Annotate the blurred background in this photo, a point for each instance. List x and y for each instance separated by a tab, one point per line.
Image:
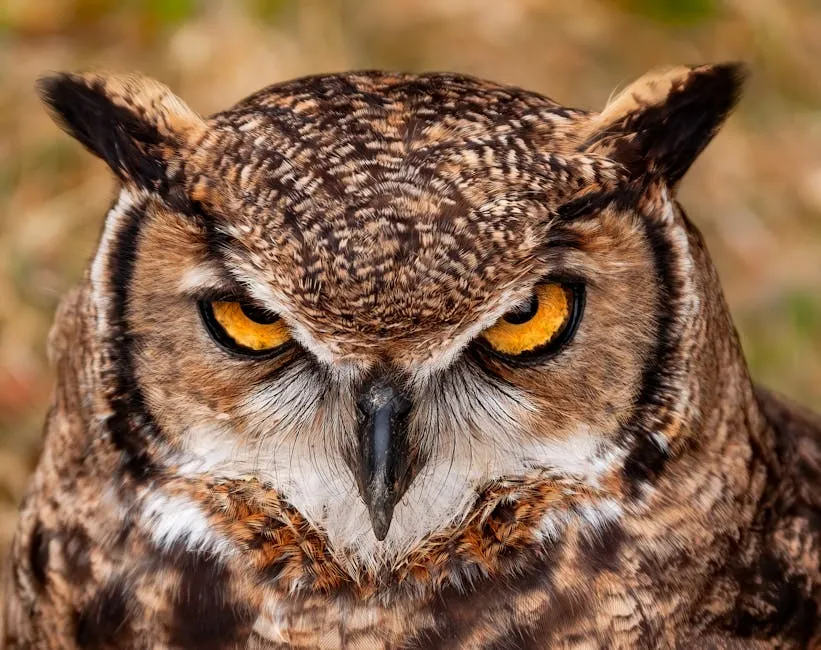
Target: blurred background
755	193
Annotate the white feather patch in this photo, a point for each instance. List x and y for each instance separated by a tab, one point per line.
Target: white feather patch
302	425
174	519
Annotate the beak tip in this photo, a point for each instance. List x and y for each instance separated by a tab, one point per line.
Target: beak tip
380	531
381	517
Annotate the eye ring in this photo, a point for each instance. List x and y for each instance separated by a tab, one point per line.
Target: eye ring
557	343
221	337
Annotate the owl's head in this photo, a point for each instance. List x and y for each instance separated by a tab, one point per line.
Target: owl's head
400	301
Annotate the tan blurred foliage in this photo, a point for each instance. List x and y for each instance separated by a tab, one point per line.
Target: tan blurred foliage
756	192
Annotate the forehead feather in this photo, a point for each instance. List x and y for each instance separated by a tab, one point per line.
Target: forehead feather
411	198
346	136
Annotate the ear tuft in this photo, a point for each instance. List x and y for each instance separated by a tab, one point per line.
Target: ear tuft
132	122
662	122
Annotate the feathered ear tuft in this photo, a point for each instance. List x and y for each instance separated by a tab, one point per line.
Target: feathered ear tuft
132	122
661	123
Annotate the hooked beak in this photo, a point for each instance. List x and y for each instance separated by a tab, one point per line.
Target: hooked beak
383	465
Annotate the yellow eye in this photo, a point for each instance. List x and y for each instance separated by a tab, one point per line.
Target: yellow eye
535	327
243	327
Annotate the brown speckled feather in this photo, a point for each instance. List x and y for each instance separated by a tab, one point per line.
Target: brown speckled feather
627	487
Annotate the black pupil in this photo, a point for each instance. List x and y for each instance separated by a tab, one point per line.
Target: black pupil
523	312
261	316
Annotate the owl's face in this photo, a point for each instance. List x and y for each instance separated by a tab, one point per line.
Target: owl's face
382	295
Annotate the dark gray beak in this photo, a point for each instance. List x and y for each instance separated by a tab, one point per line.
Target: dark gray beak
384	465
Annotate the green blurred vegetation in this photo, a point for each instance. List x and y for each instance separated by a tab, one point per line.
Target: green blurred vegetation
756	192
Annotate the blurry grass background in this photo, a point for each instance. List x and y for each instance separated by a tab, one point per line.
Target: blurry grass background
755	193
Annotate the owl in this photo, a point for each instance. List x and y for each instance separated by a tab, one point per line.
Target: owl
380	361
